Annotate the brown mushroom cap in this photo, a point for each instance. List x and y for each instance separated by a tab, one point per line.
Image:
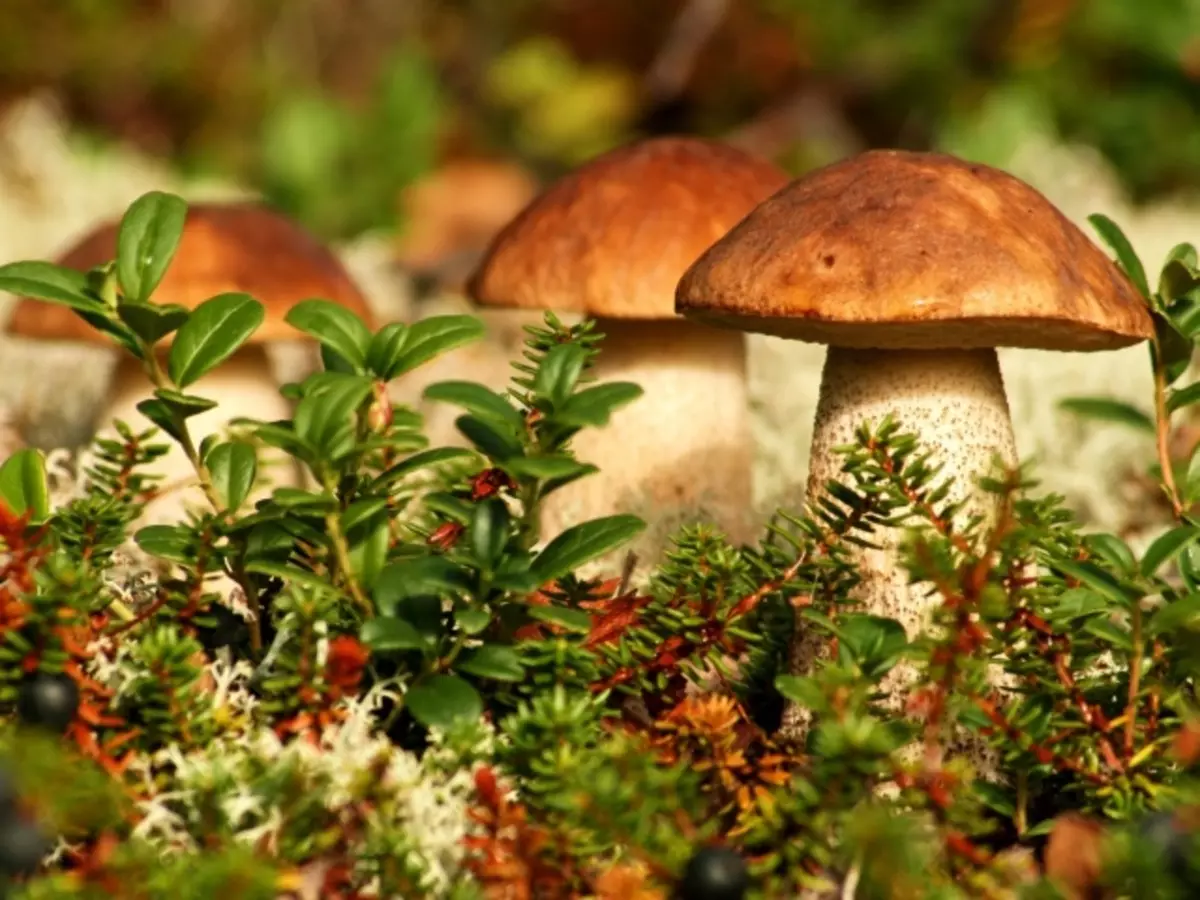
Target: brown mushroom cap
612	238
225	247
900	250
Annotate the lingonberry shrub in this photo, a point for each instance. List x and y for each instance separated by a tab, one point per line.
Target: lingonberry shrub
391	683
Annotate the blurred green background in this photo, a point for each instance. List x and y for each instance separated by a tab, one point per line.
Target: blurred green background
332	107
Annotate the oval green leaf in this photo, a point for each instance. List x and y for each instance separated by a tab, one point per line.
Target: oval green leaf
233	466
443	700
583	543
213	333
147	239
334	327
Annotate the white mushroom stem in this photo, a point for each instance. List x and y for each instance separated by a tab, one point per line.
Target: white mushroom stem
680	453
954	401
242	386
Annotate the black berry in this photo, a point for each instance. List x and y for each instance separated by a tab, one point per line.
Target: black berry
48	701
23	846
714	873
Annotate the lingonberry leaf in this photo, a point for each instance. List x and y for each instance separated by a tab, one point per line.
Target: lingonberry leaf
583	543
232	466
147	239
213	332
335	327
443	700
23	486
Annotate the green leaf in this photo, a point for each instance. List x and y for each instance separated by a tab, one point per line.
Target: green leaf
1112	235
489	531
213	332
1109	411
490	441
559	372
427	338
1184	313
1174	350
387	350
1077	603
442	701
299	500
233	466
1180	275
281	435
361	511
573	620
1178	399
150	322
479	401
388	634
46	281
104	323
875	642
1098	580
1191	484
147	239
333	326
368	538
1110	633
1185	253
1112	550
291	575
494	661
1167	546
414	577
594	406
332	361
175	543
805	691
583	543
419	461
326	419
548	467
185	405
472	620
23	486
164	416
1182	614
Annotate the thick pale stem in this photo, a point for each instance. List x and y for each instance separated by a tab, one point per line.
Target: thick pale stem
243	386
680	453
954	400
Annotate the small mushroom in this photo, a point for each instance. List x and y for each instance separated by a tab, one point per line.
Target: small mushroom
913	268
243	247
610	240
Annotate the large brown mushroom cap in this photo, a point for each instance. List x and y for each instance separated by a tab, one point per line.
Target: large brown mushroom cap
243	247
613	237
900	250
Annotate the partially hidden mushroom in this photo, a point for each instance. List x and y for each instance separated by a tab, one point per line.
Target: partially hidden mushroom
610	240
913	268
225	247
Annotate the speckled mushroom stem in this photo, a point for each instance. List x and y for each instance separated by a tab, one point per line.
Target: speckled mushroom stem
954	400
680	453
242	386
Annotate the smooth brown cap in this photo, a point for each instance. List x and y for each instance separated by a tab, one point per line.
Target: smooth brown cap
892	249
225	247
613	237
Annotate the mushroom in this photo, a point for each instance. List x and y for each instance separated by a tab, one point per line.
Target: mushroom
225	247
913	268
610	240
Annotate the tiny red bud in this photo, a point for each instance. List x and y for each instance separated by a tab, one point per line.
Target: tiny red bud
445	535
